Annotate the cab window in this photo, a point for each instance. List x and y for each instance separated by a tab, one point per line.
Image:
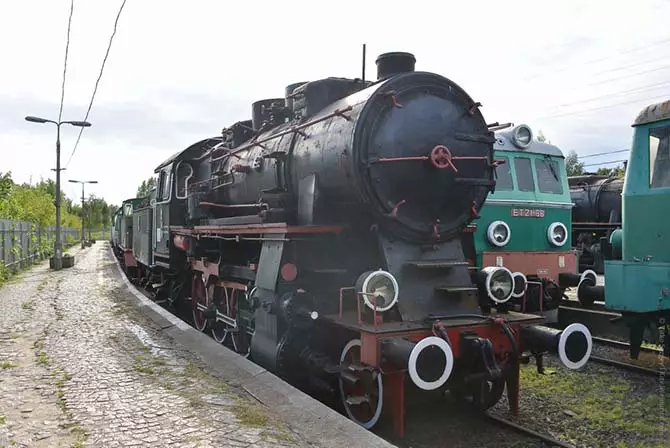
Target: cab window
548	179
659	157
504	175
524	174
164	185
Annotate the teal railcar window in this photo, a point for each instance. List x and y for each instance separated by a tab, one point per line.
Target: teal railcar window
548	179
504	175
524	174
659	157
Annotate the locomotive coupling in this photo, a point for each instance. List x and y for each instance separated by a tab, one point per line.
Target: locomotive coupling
573	344
429	362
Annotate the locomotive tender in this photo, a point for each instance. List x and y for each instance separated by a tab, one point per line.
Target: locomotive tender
325	238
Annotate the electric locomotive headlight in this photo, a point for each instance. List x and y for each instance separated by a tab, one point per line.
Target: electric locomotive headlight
379	288
522	136
499	233
557	234
499	283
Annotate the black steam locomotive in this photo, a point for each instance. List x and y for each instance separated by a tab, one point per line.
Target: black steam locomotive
596	214
327	238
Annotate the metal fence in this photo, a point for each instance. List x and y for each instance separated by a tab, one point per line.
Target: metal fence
23	243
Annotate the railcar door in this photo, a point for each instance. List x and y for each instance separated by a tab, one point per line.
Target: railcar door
162	216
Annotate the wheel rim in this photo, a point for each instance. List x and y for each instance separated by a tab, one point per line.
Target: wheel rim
199	300
363	401
219	328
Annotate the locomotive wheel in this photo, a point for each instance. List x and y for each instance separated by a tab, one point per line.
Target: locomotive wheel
481	395
220	330
223	331
362	401
199	303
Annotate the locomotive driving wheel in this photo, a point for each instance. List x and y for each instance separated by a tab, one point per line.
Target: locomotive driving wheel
199	302
226	329
363	400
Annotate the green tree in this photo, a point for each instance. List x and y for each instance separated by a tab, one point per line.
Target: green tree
572	164
540	136
6	184
617	171
145	187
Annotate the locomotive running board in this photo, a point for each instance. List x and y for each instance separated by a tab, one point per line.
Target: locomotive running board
436	263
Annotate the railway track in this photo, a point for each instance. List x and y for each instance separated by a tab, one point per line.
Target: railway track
547	440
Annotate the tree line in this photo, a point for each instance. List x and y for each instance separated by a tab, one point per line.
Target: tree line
36	204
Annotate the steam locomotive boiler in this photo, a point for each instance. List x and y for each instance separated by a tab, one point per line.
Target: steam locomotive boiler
596	214
327	239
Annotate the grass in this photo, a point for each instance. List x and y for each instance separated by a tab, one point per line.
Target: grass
7	365
603	403
249	415
3	420
42	358
28	305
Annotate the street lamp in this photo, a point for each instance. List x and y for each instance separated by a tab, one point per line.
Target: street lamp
58	245
82	182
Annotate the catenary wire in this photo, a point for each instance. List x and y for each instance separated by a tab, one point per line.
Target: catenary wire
97	82
67	48
592	61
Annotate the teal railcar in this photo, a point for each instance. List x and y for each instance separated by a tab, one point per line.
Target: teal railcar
637	271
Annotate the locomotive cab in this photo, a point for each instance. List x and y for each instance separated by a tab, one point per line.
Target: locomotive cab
637	285
175	184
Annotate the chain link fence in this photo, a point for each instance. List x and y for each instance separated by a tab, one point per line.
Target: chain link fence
24	243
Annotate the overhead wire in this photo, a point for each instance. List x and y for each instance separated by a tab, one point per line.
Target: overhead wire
592	61
578	112
67	49
614	94
605	163
603	153
97	82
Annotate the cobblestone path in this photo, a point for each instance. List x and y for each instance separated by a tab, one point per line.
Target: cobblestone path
79	366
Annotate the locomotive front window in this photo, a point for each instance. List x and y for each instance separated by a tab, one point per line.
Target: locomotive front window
504	175
659	157
548	180
524	174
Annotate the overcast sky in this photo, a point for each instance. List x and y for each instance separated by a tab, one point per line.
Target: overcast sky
179	71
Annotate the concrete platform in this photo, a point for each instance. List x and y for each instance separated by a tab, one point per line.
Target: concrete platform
317	424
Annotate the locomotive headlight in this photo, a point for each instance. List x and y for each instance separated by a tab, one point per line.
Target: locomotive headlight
557	234
522	136
379	290
499	233
499	283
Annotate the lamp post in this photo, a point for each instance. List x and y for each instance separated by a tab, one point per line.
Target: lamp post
58	245
82	182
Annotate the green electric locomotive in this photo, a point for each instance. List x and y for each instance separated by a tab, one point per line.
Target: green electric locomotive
637	268
525	225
